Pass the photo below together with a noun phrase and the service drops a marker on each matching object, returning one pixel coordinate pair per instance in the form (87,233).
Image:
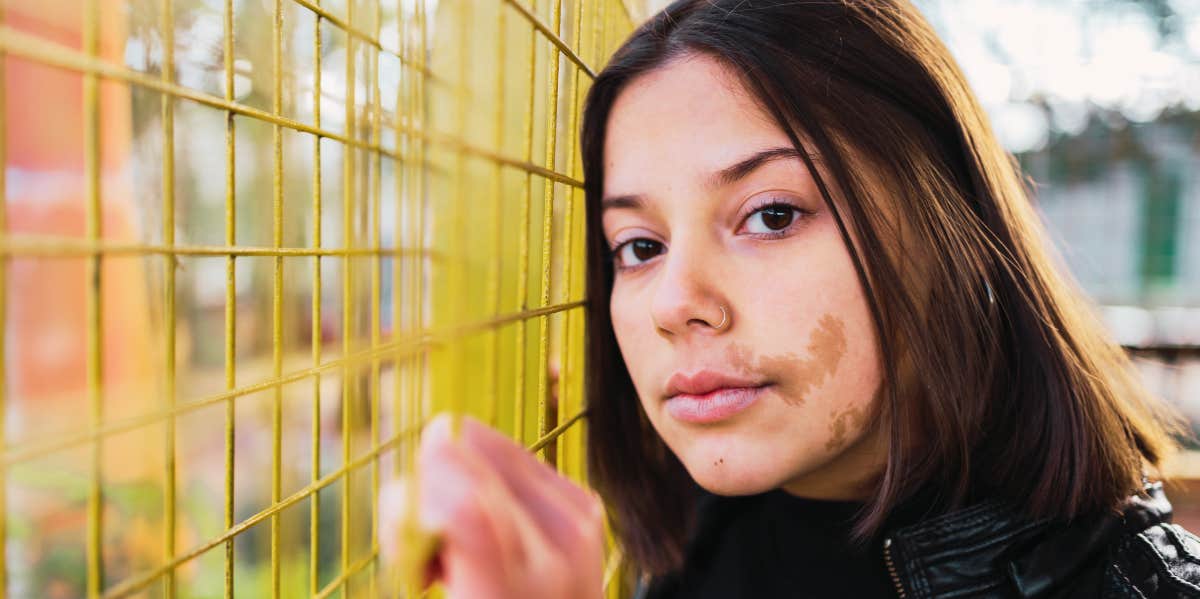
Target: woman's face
(783,394)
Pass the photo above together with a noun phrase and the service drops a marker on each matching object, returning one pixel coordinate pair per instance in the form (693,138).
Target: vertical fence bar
(168,233)
(230,296)
(595,35)
(421,199)
(400,237)
(415,539)
(349,178)
(277,292)
(314,513)
(406,581)
(94,218)
(458,287)
(419,117)
(566,363)
(552,57)
(493,285)
(523,266)
(376,276)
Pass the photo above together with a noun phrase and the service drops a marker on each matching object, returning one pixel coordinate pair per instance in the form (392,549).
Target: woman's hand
(509,526)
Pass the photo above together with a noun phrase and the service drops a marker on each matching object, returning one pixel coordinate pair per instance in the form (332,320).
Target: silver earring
(724,317)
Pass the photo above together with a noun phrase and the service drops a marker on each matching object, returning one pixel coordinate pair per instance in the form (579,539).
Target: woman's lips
(713,406)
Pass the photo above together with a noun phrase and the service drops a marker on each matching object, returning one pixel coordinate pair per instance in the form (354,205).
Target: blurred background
(1100,102)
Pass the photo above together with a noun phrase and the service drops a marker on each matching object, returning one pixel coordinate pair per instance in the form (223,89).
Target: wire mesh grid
(248,248)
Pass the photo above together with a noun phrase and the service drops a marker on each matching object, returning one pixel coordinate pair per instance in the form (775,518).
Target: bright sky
(1075,57)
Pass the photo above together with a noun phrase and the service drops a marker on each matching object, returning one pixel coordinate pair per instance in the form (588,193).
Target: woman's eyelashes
(772,218)
(635,252)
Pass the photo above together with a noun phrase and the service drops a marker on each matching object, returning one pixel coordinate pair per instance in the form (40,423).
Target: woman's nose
(686,298)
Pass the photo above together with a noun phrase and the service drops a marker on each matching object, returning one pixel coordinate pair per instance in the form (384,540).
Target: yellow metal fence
(248,247)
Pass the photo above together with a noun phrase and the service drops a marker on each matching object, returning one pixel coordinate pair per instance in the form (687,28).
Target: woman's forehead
(690,118)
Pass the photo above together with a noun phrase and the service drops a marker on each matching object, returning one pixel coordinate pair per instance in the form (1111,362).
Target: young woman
(829,353)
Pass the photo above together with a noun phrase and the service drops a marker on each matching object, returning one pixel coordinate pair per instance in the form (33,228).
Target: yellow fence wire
(248,248)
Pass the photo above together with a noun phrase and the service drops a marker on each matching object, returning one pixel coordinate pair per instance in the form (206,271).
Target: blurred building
(1100,101)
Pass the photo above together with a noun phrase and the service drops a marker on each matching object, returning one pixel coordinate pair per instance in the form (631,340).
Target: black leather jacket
(987,550)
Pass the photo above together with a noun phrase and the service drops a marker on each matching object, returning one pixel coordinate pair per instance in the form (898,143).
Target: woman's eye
(771,219)
(634,252)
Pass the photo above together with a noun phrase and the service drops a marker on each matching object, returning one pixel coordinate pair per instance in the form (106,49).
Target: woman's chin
(726,462)
(726,476)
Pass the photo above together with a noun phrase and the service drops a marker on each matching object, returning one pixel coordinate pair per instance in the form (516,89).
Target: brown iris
(777,217)
(645,249)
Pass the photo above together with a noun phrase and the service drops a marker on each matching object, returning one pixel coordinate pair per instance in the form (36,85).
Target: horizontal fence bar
(333,585)
(371,40)
(139,583)
(552,36)
(22,44)
(400,348)
(57,246)
(336,584)
(554,433)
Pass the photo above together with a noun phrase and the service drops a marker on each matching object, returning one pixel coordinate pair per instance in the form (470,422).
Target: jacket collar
(989,546)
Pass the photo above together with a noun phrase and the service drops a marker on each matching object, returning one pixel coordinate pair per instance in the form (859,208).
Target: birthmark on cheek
(826,347)
(841,424)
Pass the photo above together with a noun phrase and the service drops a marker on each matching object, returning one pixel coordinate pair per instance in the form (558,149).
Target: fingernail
(446,486)
(438,429)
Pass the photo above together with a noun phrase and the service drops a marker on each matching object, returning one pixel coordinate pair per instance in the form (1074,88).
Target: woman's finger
(562,547)
(569,516)
(514,461)
(489,537)
(408,546)
(503,523)
(481,532)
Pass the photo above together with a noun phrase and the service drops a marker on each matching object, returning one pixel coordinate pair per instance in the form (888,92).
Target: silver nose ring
(724,317)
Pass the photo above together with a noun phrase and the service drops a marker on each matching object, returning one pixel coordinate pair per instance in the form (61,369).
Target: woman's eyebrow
(739,170)
(724,177)
(626,201)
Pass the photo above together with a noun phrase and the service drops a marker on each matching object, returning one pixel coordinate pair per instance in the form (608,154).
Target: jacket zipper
(887,558)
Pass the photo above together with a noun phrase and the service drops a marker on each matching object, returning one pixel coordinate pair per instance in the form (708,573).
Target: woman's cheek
(631,327)
(832,375)
(853,390)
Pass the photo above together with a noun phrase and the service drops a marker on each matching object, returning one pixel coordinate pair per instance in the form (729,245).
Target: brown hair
(1024,398)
